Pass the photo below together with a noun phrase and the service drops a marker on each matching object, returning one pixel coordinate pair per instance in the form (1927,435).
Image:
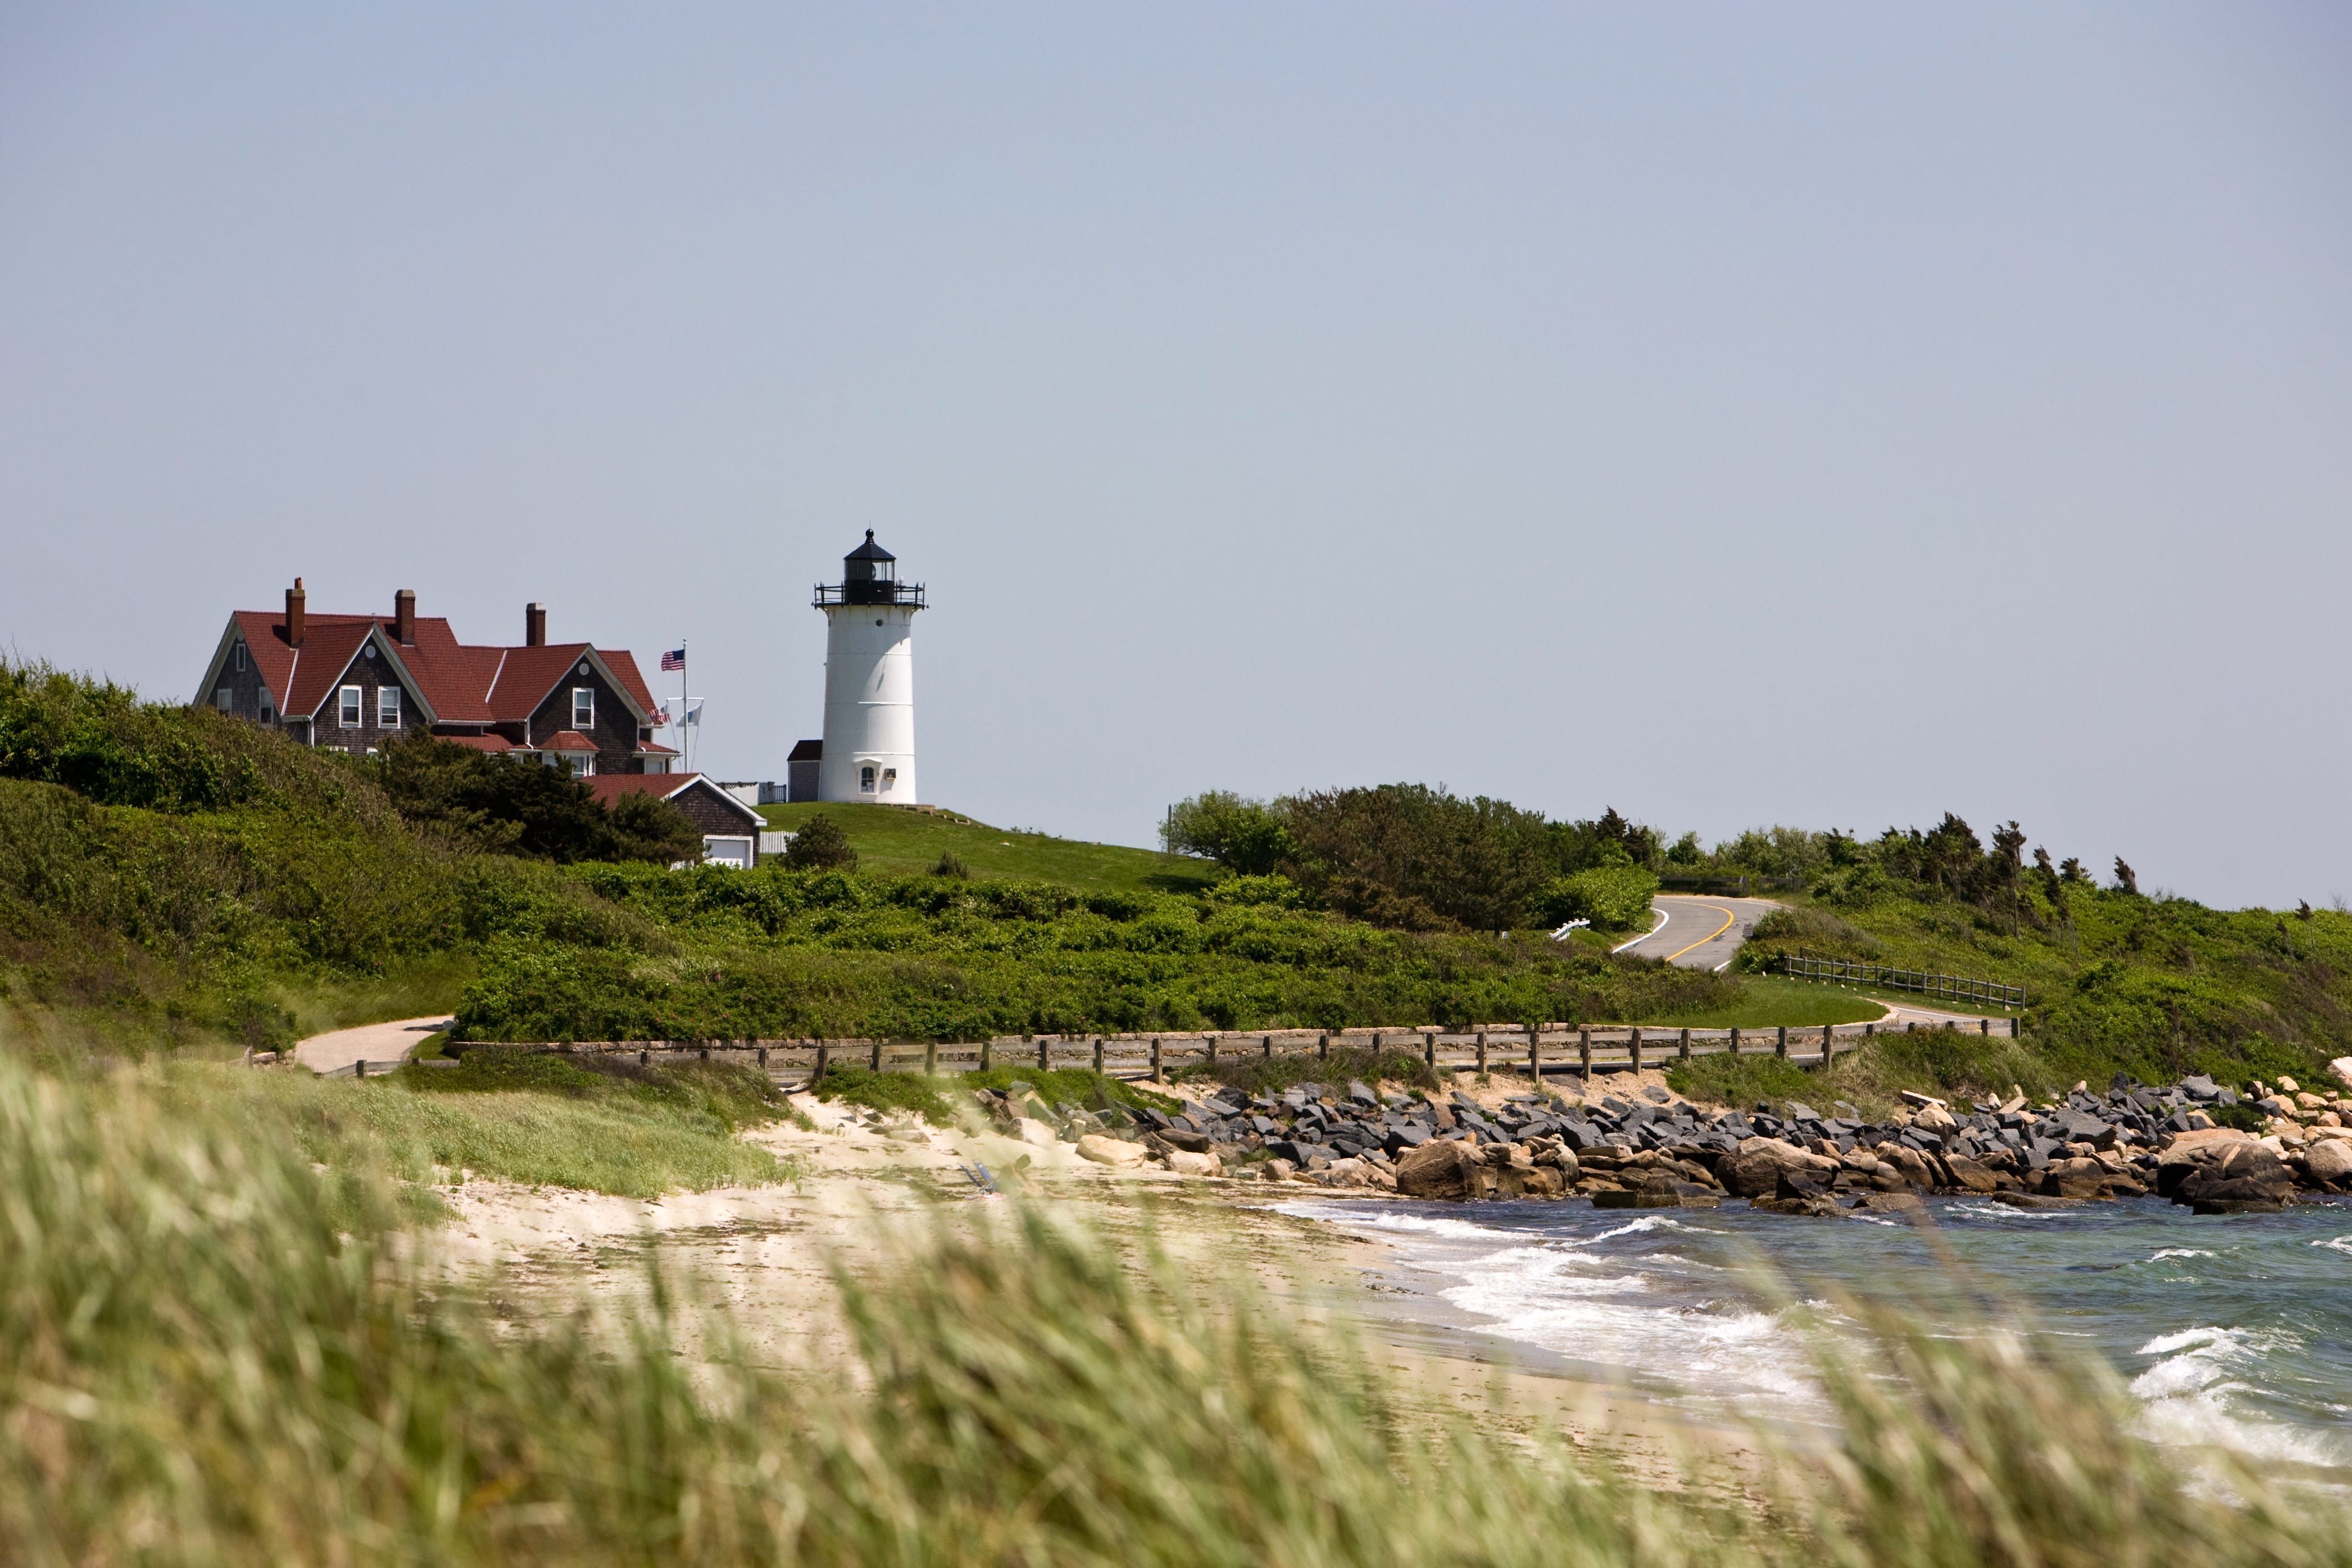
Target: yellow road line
(1728,917)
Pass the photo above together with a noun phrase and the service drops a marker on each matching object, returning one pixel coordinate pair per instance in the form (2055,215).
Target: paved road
(389,1042)
(1699,932)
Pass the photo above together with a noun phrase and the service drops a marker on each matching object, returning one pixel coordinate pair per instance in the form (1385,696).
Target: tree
(820,845)
(501,804)
(2126,882)
(643,826)
(1399,854)
(1243,835)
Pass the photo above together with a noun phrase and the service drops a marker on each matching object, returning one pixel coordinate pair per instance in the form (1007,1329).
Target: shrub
(820,846)
(948,865)
(884,1091)
(1243,835)
(1614,898)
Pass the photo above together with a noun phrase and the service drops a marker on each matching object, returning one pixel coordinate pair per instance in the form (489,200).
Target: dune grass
(909,843)
(430,1128)
(209,1355)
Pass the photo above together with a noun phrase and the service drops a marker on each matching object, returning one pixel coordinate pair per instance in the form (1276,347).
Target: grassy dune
(209,1355)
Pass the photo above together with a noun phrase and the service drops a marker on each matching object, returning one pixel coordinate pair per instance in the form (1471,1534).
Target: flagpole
(685,755)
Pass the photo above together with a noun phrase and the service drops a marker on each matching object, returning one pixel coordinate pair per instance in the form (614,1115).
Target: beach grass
(208,1355)
(429,1128)
(902,843)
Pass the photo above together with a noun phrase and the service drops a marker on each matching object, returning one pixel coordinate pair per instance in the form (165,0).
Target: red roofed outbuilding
(731,831)
(354,682)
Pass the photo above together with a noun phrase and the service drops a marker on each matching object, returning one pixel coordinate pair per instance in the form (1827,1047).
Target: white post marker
(869,681)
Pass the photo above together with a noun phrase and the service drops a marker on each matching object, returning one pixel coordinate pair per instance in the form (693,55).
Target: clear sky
(1825,414)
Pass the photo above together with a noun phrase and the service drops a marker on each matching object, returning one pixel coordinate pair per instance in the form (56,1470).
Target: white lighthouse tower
(869,680)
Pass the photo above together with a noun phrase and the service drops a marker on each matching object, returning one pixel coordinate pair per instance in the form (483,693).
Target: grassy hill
(897,842)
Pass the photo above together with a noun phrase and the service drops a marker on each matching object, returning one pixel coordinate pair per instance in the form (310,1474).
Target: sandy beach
(872,1187)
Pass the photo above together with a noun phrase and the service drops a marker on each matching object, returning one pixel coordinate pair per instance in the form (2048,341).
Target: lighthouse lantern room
(869,680)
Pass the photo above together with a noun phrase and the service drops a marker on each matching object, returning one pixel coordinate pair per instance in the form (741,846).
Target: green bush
(820,845)
(884,1091)
(1614,898)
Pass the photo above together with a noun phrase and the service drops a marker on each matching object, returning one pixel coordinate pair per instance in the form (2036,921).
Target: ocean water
(2232,1331)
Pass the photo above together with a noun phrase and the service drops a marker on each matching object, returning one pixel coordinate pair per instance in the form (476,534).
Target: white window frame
(349,707)
(583,697)
(387,707)
(224,700)
(240,657)
(866,781)
(267,714)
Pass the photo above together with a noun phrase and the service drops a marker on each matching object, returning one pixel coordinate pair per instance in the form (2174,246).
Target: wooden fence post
(763,1059)
(2013,1023)
(1481,1052)
(1633,1049)
(877,1056)
(1265,1047)
(1984,1025)
(1157,1076)
(987,1047)
(1099,1043)
(359,1068)
(930,1059)
(1868,1030)
(1735,1040)
(1584,1056)
(1429,1049)
(1322,1046)
(645,1058)
(1044,1062)
(1534,1053)
(1781,1048)
(822,1050)
(1685,1050)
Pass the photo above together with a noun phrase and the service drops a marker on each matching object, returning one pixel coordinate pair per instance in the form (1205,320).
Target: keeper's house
(731,831)
(354,682)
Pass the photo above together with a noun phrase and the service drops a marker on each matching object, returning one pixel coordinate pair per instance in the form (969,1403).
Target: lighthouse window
(890,777)
(866,781)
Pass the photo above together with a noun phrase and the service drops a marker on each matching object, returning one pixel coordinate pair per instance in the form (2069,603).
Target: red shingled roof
(481,742)
(567,741)
(462,683)
(610,787)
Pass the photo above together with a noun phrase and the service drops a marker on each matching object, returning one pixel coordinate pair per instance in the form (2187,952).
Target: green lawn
(898,842)
(1766,1000)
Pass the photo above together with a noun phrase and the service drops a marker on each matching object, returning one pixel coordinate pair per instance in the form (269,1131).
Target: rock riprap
(1652,1150)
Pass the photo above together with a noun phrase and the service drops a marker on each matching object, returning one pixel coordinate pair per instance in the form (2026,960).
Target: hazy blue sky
(1821,414)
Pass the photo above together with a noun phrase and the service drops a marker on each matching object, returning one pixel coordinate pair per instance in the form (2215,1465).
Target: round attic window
(583,667)
(370,650)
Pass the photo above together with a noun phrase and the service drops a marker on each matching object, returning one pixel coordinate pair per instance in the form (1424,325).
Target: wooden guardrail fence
(1547,1050)
(1954,988)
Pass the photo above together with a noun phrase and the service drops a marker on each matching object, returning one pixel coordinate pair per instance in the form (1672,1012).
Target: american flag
(676,660)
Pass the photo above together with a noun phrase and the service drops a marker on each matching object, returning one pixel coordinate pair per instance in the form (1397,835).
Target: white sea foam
(2161,1253)
(2190,1396)
(2336,1244)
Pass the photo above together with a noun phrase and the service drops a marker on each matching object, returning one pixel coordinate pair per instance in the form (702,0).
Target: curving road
(1699,931)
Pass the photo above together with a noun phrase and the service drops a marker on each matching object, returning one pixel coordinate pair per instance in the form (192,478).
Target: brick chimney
(295,601)
(403,615)
(534,624)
